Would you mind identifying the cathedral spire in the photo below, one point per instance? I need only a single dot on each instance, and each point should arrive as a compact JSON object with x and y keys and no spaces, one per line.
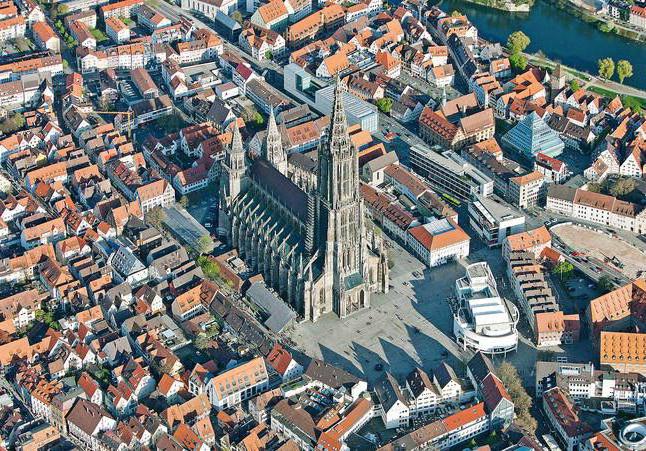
{"x":274,"y":151}
{"x":339,"y":138}
{"x":235,"y":155}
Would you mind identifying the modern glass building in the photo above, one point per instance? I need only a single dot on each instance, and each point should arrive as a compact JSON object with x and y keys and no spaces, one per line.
{"x":531,"y":136}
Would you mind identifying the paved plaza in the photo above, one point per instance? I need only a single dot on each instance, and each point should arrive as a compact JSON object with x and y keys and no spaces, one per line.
{"x":409,"y":327}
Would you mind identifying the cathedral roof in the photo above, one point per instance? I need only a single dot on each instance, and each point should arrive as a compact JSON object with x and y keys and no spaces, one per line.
{"x":281,"y":187}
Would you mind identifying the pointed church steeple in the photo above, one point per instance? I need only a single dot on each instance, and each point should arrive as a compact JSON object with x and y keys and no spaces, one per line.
{"x":338,"y":159}
{"x":231,"y":181}
{"x":339,"y":139}
{"x":235,"y":154}
{"x":274,"y":151}
{"x":338,"y":175}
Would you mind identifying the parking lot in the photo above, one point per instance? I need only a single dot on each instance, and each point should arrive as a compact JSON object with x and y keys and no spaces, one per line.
{"x":602,"y":246}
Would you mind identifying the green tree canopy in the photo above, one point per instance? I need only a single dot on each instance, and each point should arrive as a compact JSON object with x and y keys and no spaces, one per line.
{"x":156,"y":217}
{"x":622,"y":187}
{"x":633,"y":103}
{"x":384,"y":104}
{"x":237,"y":16}
{"x":204,"y":244}
{"x":624,"y":70}
{"x":522,"y":401}
{"x":258,"y":119}
{"x":517,"y":42}
{"x":575,"y":85}
{"x":564,"y":269}
{"x":518,"y":62}
{"x":605,"y":285}
{"x":13,"y":122}
{"x":606,"y":68}
{"x":183,"y":201}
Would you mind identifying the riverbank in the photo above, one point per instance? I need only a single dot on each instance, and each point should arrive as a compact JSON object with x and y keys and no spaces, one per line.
{"x":558,"y":36}
{"x":605,"y":88}
{"x":603,"y":24}
{"x":512,"y":6}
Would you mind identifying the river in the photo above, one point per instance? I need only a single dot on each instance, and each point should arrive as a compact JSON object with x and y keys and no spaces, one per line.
{"x":559,"y":35}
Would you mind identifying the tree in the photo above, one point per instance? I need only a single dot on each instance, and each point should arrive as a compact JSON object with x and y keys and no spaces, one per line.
{"x":202,"y":342}
{"x":456,"y":13}
{"x":258,"y":119}
{"x":183,"y":202}
{"x":14,"y":122}
{"x":156,"y":217}
{"x":384,"y":104}
{"x":624,"y":70}
{"x":517,"y":42}
{"x":594,"y":187}
{"x":622,"y":187}
{"x":204,"y":244}
{"x":237,"y":16}
{"x":170,"y":123}
{"x":210,"y":269}
{"x":564,"y":269}
{"x":269,"y":55}
{"x":248,"y":114}
{"x":57,"y":11}
{"x":518,"y":62}
{"x":605,"y":285}
{"x":606,"y":68}
{"x":522,"y":401}
{"x":633,"y":103}
{"x":575,"y":85}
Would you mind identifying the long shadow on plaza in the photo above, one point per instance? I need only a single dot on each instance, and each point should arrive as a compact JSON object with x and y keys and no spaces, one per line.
{"x":399,"y":361}
{"x":431,"y":352}
{"x":334,"y":358}
{"x":369,"y":361}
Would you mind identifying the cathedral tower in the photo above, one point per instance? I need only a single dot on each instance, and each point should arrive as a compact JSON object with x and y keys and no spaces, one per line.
{"x":342,"y":233}
{"x":274,"y":151}
{"x":231,"y":179}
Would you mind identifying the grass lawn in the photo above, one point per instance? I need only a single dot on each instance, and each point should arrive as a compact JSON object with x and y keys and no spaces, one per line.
{"x":98,"y":35}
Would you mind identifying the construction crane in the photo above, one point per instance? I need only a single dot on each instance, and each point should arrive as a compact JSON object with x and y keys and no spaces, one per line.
{"x":128,"y":114}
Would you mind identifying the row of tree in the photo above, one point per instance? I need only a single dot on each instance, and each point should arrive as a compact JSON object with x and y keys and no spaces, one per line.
{"x":607,"y":68}
{"x":519,"y":41}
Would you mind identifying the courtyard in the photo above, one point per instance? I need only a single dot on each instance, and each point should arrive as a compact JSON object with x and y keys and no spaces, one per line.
{"x":411,"y":326}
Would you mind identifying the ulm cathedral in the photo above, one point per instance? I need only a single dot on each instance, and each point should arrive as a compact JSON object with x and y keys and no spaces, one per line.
{"x":311,"y":246}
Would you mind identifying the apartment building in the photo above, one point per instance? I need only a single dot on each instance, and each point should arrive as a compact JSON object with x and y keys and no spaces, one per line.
{"x":124,"y":8}
{"x":210,"y":8}
{"x":622,"y":351}
{"x":151,"y":19}
{"x":81,"y":32}
{"x":117,"y":30}
{"x":532,"y":241}
{"x":230,"y":388}
{"x":563,"y":417}
{"x":45,"y":37}
{"x":436,"y":129}
{"x":12,"y":28}
{"x":159,"y":193}
{"x":597,"y":208}
{"x":526,"y":191}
